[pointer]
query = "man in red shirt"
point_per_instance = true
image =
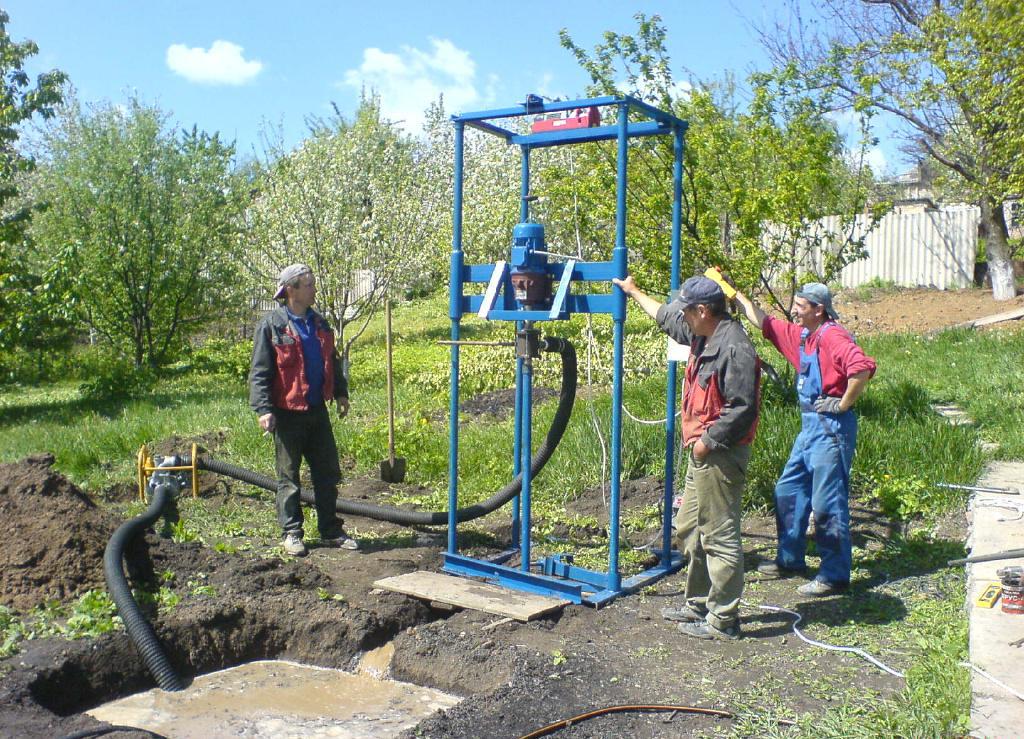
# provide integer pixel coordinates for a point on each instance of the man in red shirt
(832, 372)
(721, 404)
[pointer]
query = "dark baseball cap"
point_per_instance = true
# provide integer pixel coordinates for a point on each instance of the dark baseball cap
(700, 290)
(819, 294)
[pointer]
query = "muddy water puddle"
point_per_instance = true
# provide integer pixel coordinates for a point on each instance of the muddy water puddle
(281, 700)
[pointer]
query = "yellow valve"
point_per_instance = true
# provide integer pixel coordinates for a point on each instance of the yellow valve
(146, 467)
(713, 273)
(989, 596)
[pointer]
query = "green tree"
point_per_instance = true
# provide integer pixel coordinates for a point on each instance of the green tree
(491, 189)
(144, 219)
(25, 314)
(952, 71)
(758, 179)
(362, 204)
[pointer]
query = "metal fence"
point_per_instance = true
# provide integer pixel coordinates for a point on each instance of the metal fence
(930, 248)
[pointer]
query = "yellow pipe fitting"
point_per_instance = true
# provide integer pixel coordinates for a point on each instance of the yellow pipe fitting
(146, 467)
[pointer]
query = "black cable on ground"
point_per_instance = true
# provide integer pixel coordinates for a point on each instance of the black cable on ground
(566, 399)
(138, 628)
(101, 730)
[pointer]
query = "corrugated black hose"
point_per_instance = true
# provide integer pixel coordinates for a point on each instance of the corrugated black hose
(138, 628)
(566, 399)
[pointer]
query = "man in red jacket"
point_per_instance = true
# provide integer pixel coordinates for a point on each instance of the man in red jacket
(832, 372)
(295, 373)
(721, 405)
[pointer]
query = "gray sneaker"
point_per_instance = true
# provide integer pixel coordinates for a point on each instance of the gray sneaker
(341, 540)
(294, 545)
(821, 589)
(772, 570)
(686, 614)
(704, 630)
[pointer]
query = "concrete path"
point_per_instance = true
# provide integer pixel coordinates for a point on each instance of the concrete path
(995, 711)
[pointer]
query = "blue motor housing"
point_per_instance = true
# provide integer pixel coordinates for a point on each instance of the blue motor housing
(529, 270)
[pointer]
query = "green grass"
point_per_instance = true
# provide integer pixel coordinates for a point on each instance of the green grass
(981, 372)
(91, 615)
(904, 448)
(906, 608)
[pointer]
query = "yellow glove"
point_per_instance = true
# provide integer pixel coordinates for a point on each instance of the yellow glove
(712, 273)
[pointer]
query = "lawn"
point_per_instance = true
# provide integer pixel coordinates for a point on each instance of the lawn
(904, 449)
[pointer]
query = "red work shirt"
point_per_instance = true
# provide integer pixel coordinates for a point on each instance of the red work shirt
(838, 353)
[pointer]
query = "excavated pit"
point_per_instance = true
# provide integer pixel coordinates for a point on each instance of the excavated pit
(247, 608)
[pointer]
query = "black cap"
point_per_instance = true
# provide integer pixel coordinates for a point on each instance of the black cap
(698, 290)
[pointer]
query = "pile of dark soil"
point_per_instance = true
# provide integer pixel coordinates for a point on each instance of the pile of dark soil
(233, 608)
(52, 536)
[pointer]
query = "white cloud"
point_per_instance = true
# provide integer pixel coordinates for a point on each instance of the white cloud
(411, 79)
(848, 125)
(221, 64)
(875, 157)
(545, 88)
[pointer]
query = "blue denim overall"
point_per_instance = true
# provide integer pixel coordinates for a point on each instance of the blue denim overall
(817, 477)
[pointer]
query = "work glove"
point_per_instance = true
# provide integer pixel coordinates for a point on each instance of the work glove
(827, 405)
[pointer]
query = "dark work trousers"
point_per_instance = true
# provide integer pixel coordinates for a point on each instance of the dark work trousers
(708, 530)
(306, 434)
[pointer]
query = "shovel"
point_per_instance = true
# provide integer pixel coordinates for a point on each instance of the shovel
(392, 469)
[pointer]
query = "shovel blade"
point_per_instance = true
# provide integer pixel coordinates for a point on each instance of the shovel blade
(392, 472)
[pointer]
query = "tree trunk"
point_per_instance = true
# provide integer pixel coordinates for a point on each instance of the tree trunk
(997, 250)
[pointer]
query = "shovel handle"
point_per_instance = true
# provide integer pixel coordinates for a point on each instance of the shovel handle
(391, 382)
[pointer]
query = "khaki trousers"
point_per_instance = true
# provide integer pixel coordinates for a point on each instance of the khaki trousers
(708, 533)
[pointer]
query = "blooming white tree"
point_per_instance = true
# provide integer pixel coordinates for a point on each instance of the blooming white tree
(350, 202)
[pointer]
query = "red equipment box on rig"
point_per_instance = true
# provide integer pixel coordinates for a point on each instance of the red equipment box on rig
(579, 118)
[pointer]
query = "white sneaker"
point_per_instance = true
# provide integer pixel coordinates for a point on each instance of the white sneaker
(293, 544)
(341, 541)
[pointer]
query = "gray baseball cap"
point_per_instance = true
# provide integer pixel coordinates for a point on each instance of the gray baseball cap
(819, 294)
(288, 274)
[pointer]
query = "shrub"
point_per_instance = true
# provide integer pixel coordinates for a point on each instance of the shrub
(223, 358)
(117, 380)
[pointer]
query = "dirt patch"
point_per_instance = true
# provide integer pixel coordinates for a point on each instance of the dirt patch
(324, 610)
(497, 404)
(866, 312)
(233, 608)
(53, 536)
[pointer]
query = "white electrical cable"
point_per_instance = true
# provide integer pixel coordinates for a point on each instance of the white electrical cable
(1013, 505)
(995, 680)
(830, 647)
(659, 422)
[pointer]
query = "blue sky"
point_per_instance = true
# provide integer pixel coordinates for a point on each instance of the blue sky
(234, 67)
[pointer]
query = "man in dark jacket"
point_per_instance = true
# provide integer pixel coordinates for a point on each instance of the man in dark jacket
(721, 405)
(295, 373)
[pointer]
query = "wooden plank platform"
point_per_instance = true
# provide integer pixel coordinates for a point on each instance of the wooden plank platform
(467, 593)
(1010, 315)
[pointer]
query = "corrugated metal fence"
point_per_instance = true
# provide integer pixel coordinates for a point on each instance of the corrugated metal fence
(930, 248)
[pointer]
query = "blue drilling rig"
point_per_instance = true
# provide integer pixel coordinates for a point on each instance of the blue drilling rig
(533, 286)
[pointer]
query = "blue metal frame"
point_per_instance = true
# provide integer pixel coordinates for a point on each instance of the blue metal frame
(557, 575)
